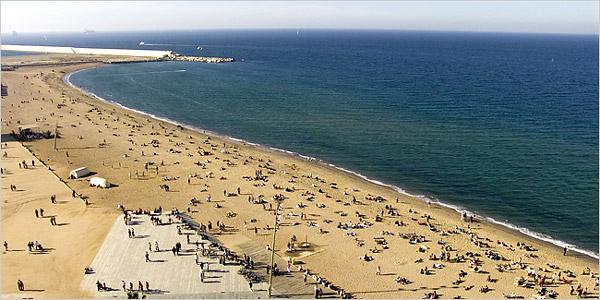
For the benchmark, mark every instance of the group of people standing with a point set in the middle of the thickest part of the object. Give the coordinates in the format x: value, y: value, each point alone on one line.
x: 23, y: 164
x: 31, y: 246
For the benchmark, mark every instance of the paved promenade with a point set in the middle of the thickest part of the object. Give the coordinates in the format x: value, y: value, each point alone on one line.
x: 169, y: 276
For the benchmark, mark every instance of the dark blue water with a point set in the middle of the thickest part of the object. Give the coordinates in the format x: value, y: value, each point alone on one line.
x: 505, y: 125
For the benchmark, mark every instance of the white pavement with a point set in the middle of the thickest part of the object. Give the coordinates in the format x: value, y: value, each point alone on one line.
x: 123, y: 258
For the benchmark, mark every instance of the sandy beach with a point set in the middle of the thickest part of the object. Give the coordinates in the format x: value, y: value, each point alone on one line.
x: 367, y: 239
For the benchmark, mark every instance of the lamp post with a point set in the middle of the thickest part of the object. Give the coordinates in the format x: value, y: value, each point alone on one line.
x: 55, y: 135
x: 273, y: 245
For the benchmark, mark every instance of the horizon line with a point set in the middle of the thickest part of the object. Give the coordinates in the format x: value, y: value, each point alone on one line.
x: 84, y: 31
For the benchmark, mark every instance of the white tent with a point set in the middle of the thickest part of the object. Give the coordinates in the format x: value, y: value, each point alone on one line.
x: 99, y: 182
x: 79, y: 172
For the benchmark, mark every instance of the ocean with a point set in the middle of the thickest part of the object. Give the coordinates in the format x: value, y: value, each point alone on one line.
x: 502, y: 125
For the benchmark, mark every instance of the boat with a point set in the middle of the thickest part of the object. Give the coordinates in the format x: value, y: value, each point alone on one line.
x: 142, y: 43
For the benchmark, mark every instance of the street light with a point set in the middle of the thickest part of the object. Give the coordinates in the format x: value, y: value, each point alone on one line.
x: 279, y: 199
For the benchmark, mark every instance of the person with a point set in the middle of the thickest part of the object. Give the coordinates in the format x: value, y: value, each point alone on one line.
x: 41, y: 212
x: 147, y: 286
x: 250, y: 284
x: 36, y: 214
x: 98, y: 285
x: 147, y: 257
x: 149, y: 246
x: 565, y: 251
x: 140, y: 286
x: 202, y: 276
x: 156, y: 246
x: 129, y: 232
x: 20, y: 285
x: 132, y: 233
x: 378, y: 270
x: 6, y: 246
x: 131, y: 286
x: 124, y: 286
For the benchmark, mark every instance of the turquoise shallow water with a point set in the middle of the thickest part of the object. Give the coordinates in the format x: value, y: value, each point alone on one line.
x: 505, y: 125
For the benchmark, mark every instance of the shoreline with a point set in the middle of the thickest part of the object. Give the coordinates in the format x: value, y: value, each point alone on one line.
x: 504, y: 226
x: 351, y: 224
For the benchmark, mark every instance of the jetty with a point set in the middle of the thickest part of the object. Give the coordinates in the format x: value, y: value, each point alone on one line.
x: 139, y: 55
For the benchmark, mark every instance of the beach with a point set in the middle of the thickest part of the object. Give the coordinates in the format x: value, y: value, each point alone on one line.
x: 368, y: 239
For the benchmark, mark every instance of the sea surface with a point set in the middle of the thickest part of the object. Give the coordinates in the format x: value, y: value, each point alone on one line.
x: 502, y: 125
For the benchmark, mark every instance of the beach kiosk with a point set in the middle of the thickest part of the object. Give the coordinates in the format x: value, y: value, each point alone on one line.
x: 99, y: 182
x: 79, y: 172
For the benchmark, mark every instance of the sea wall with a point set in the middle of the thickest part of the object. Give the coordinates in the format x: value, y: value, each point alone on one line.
x: 93, y: 51
x: 152, y: 55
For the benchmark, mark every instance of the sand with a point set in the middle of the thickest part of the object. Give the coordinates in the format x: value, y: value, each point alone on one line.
x: 116, y: 144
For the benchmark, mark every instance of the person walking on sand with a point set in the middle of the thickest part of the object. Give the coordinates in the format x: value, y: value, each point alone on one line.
x: 147, y: 286
x: 565, y: 249
x: 36, y: 214
x: 5, y: 246
x: 41, y: 212
x: 20, y: 285
x: 378, y: 270
x: 147, y: 257
x: 156, y: 246
x: 124, y: 286
x: 149, y: 246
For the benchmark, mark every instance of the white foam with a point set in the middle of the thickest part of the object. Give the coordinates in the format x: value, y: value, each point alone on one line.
x: 456, y: 208
x: 151, y: 72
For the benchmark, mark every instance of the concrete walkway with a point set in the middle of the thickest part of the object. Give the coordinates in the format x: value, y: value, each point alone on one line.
x: 169, y: 276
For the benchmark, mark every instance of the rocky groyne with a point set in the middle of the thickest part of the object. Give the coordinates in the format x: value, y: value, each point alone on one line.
x: 204, y: 59
x: 118, y: 56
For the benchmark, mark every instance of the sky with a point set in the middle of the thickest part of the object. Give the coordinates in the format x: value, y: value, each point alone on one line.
x: 580, y: 17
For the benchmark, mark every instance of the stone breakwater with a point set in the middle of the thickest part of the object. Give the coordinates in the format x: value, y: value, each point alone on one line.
x: 204, y: 59
x: 139, y: 55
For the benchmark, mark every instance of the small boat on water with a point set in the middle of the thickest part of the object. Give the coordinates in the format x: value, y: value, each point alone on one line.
x: 142, y: 43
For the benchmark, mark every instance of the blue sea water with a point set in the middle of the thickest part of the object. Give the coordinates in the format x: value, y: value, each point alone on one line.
x: 504, y: 125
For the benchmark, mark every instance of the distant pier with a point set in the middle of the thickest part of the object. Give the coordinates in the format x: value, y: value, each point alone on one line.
x: 151, y: 55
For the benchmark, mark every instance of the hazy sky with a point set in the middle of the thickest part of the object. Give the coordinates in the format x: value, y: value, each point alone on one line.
x: 507, y: 16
